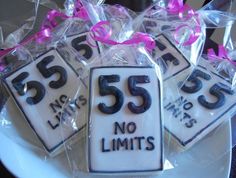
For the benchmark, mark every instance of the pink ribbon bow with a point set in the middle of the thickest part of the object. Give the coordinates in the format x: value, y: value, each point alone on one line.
x: 50, y: 22
x: 80, y: 11
x: 178, y: 7
x: 102, y: 32
x: 222, y: 55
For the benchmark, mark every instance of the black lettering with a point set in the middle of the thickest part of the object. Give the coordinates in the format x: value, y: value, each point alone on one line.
x: 134, y: 90
x: 58, y: 116
x: 103, y: 146
x: 121, y: 143
x: 83, y: 100
x: 151, y: 144
x: 175, y: 111
x: 191, y: 123
x: 131, y: 127
x: 55, y: 105
x: 77, y: 103
x: 131, y: 144
x: 167, y: 106
x: 106, y: 89
x: 114, y: 144
x: 172, y: 59
x: 139, y: 139
x: 53, y: 126
x: 188, y: 106
x: 186, y: 116
x: 119, y: 127
x: 63, y: 99
x: 160, y: 45
x: 180, y: 101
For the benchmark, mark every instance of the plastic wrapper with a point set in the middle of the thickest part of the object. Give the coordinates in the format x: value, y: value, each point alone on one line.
x: 226, y: 6
x: 69, y: 43
x: 119, y: 17
x: 118, y: 101
x: 188, y: 123
x: 178, y: 49
x: 19, y: 24
x: 177, y: 53
x: 46, y: 3
x: 124, y: 117
x: 205, y: 107
x: 219, y: 17
x: 183, y: 26
x: 42, y: 83
x: 71, y: 5
x: 126, y: 56
x: 224, y: 15
x: 75, y: 43
x: 78, y: 40
x: 207, y: 99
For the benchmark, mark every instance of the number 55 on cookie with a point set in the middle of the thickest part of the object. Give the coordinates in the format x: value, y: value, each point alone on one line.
x: 125, y: 129
x: 45, y: 91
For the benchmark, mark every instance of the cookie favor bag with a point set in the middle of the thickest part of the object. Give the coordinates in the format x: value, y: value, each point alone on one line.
x: 124, y: 117
x: 43, y: 84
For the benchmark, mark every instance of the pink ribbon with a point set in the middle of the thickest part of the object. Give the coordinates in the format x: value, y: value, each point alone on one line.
x: 54, y: 14
x: 102, y: 32
x: 178, y: 7
x: 40, y: 37
x: 50, y: 22
x: 195, y: 32
x: 80, y: 11
x: 222, y: 55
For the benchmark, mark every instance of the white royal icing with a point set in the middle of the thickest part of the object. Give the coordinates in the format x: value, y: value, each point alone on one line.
x: 187, y: 120
x: 104, y: 130
x: 39, y: 115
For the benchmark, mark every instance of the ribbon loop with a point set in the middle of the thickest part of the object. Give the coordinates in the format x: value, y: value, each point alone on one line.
x: 80, y: 11
x: 222, y: 54
x: 175, y: 6
x: 102, y: 32
x: 43, y: 35
x: 50, y: 23
x: 194, y: 34
x: 178, y: 7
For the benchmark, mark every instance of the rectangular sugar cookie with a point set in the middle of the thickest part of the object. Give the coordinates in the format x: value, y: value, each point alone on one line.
x: 125, y: 127
x: 203, y: 103
x: 45, y: 90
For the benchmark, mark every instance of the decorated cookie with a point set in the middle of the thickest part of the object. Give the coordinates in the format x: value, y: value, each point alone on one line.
x: 80, y: 44
x: 203, y: 102
x: 171, y: 60
x: 125, y: 128
x: 45, y: 90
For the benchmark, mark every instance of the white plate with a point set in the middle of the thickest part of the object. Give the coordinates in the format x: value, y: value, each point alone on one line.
x: 210, y: 158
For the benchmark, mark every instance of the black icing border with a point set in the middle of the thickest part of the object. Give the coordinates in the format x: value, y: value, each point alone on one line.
x: 184, y: 143
x: 50, y: 150
x: 177, y: 50
x: 88, y: 127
